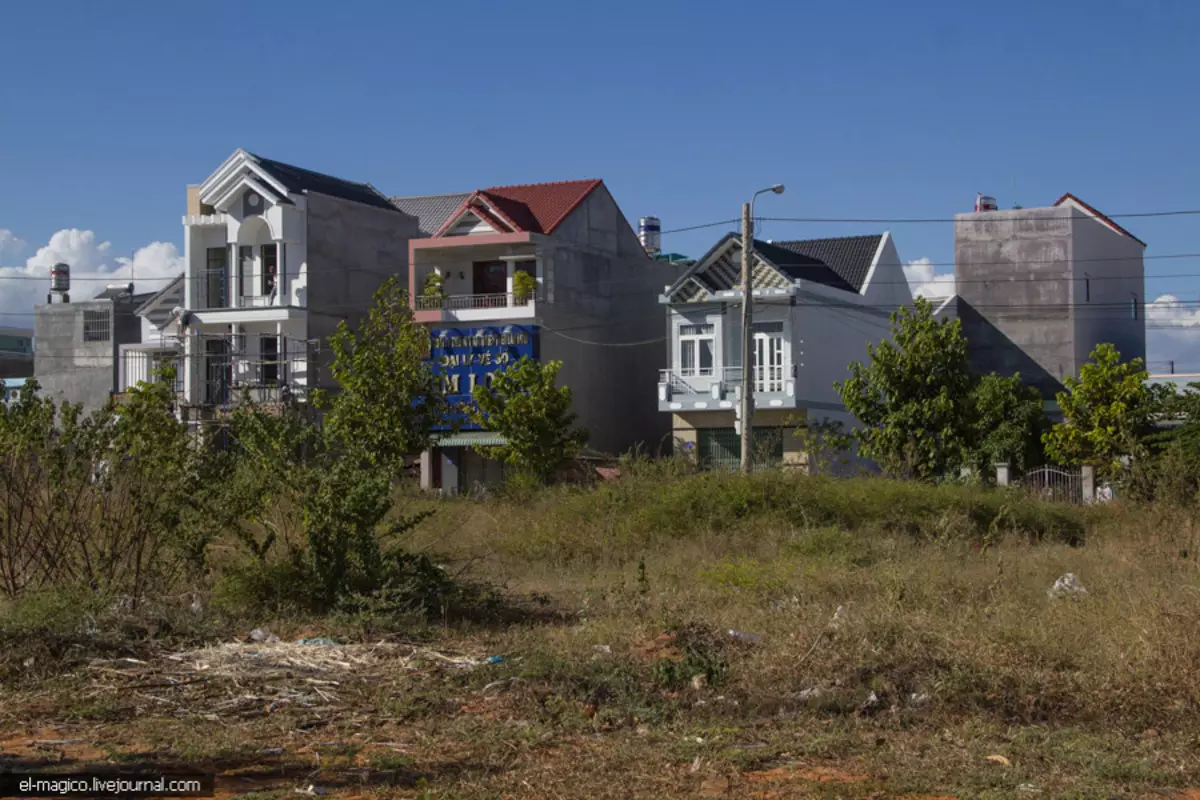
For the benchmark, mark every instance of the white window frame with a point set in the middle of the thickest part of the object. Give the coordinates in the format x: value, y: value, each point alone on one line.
x: 761, y: 337
x: 694, y: 339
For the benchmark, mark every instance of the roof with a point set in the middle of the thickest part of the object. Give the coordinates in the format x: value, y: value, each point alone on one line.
x: 472, y: 439
x: 842, y: 262
x: 1068, y: 197
x: 119, y: 292
x: 298, y: 179
x: 527, y: 208
x: 171, y: 288
x: 431, y: 210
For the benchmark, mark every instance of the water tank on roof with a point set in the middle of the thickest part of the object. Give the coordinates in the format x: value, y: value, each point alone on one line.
x: 650, y: 233
x: 60, y: 282
x: 985, y: 203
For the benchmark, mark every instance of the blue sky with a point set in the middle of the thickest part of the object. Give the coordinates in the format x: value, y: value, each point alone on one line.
x: 864, y: 109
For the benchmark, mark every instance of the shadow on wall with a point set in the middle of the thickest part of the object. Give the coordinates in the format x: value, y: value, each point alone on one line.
x: 990, y: 350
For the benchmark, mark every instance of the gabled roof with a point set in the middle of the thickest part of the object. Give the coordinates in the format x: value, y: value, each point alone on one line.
x: 524, y: 208
x: 172, y: 289
x: 847, y: 258
x: 431, y: 210
x: 1087, y: 209
x: 300, y: 180
x: 840, y: 263
x: 276, y: 180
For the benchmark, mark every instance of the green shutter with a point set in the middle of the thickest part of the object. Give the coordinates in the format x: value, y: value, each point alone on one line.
x: 721, y: 448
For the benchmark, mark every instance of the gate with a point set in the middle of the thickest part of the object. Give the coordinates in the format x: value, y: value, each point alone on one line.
x: 1056, y: 484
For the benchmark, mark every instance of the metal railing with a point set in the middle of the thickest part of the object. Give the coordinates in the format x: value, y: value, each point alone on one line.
x: 766, y: 379
x: 458, y: 302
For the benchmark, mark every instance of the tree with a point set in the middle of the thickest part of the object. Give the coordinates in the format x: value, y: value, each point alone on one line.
x: 1106, y: 412
x: 390, y: 398
x: 913, y: 398
x: 1009, y: 420
x: 532, y: 414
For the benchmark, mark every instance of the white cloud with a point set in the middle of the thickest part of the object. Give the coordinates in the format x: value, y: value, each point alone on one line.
x: 1167, y: 310
x: 10, y: 245
x: 92, y: 266
x: 925, y: 281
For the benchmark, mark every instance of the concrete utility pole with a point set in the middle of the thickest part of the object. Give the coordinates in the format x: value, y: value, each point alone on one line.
x: 747, y: 341
x: 747, y: 404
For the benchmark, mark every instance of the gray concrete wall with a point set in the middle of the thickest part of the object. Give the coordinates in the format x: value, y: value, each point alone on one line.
x: 1109, y: 274
x: 606, y: 326
x: 70, y: 369
x: 352, y: 250
x: 1014, y: 276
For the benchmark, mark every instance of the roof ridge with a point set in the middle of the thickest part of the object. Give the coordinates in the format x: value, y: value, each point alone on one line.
x: 826, y: 238
x: 426, y: 196
x: 542, y: 183
x: 257, y: 157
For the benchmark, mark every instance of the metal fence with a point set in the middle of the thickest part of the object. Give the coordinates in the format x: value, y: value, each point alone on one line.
x: 1054, y: 483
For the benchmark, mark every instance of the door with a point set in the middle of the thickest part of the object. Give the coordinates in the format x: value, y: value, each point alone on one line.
x: 768, y: 357
x: 218, y: 372
x: 490, y: 277
x: 269, y: 347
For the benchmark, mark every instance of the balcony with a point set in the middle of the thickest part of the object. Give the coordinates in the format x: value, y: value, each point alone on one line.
x: 474, y: 307
x: 720, y: 390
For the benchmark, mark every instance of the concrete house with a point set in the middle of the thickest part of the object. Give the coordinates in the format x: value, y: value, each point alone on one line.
x: 818, y: 303
x: 1039, y: 288
x: 590, y: 304
x: 276, y: 257
x: 78, y: 345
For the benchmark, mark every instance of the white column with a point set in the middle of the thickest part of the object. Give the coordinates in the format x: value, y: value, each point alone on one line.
x: 280, y: 272
x: 189, y: 269
x: 235, y: 275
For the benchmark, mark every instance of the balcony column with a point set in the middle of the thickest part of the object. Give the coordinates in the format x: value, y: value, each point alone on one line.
x: 189, y: 250
x: 280, y: 272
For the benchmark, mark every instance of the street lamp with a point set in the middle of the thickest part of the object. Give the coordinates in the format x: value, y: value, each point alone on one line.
x: 747, y: 405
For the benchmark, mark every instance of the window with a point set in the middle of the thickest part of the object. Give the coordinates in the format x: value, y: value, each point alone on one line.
x: 269, y: 350
x: 1133, y: 307
x: 270, y: 265
x: 768, y: 356
x: 696, y: 350
x: 215, y: 277
x: 1087, y: 289
x: 97, y: 326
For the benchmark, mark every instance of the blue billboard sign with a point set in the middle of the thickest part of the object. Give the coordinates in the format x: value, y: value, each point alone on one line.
x: 468, y: 357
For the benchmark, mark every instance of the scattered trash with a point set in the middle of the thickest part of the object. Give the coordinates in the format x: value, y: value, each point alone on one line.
x: 263, y: 636
x: 745, y: 637
x: 700, y: 704
x: 495, y: 659
x: 918, y: 698
x: 699, y: 682
x: 699, y: 762
x: 313, y: 790
x: 271, y: 751
x: 838, y: 619
x: 500, y: 684
x: 319, y: 641
x: 197, y: 607
x: 602, y: 648
x: 809, y: 694
x: 1068, y: 585
x: 870, y: 704
x: 642, y: 730
x: 1028, y: 788
x: 1000, y: 760
x: 28, y: 662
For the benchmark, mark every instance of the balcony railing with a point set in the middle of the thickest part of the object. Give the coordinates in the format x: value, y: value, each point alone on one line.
x: 771, y: 379
x: 459, y: 302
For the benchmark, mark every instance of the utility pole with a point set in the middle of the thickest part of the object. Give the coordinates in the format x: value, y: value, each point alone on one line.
x: 747, y: 406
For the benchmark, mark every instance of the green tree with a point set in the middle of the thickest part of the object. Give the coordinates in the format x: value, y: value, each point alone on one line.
x: 1106, y: 411
x: 532, y: 414
x: 1009, y: 420
x: 913, y: 397
x: 390, y: 399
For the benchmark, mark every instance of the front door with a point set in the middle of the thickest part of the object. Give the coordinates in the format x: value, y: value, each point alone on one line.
x: 768, y: 357
x: 490, y: 277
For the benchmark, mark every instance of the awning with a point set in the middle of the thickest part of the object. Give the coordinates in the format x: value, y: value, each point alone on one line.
x: 472, y: 439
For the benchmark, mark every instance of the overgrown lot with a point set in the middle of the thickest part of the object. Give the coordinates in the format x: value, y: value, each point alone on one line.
x: 888, y: 639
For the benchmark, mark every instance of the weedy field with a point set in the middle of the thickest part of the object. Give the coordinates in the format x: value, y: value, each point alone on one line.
x: 668, y: 636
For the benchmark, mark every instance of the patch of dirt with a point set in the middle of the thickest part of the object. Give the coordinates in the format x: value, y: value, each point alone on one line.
x: 809, y: 774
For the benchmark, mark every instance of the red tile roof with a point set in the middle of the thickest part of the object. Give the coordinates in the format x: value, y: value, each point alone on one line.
x: 1089, y: 209
x: 530, y: 207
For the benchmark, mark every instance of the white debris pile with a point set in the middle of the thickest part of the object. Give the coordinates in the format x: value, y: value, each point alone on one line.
x: 1067, y: 585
